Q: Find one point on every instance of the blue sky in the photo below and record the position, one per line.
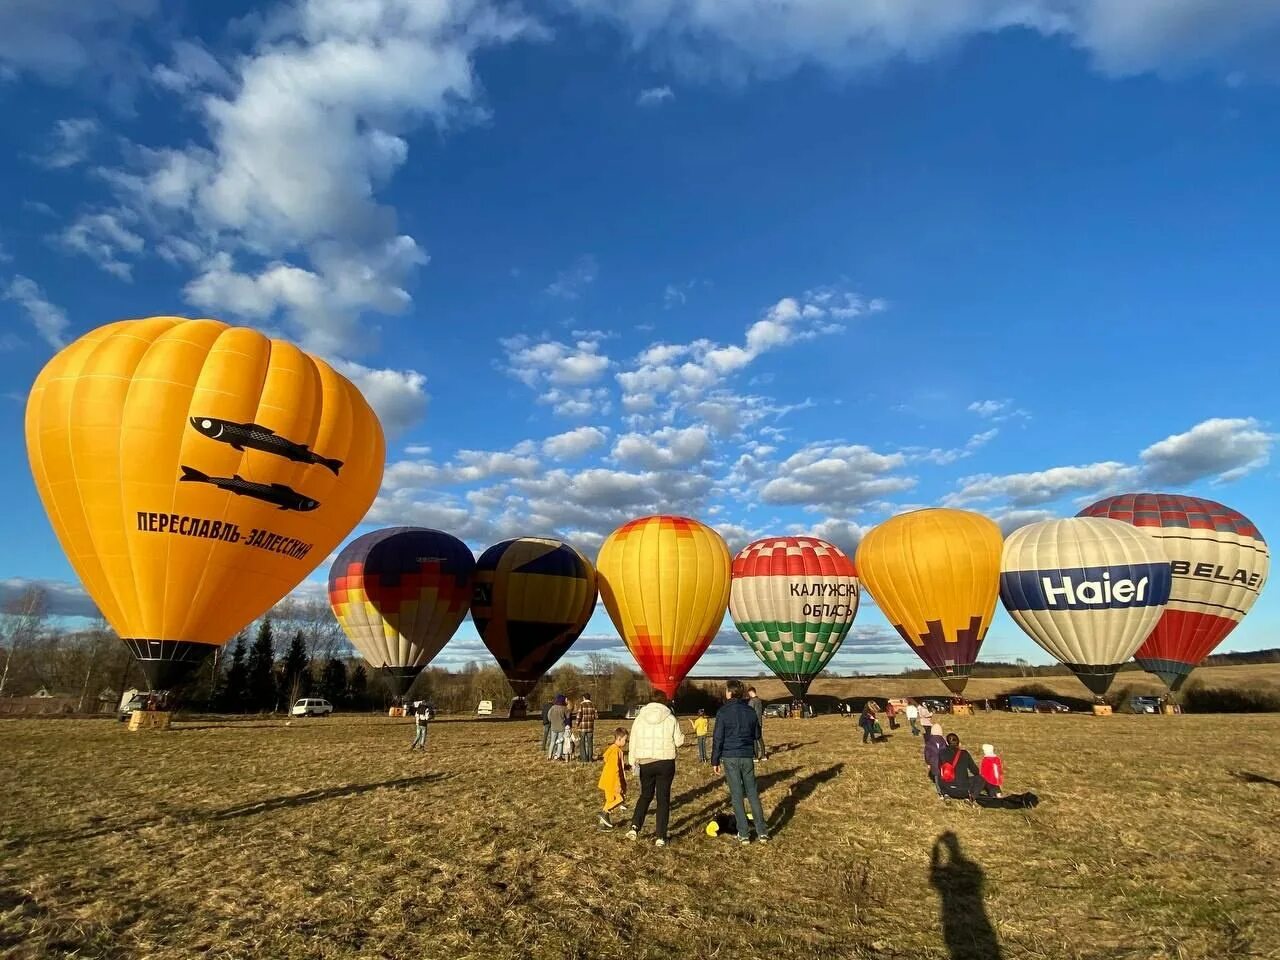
(785, 268)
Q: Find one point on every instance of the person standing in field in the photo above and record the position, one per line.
(891, 711)
(756, 704)
(733, 750)
(557, 717)
(934, 744)
(655, 737)
(546, 728)
(700, 725)
(613, 778)
(422, 714)
(584, 722)
(913, 717)
(926, 717)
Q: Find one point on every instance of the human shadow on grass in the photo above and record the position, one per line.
(798, 794)
(269, 805)
(1247, 777)
(966, 929)
(790, 747)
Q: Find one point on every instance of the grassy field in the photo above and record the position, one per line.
(1157, 837)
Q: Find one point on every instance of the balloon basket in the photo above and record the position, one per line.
(962, 710)
(1102, 709)
(1168, 709)
(149, 720)
(396, 712)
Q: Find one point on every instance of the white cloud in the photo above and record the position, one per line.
(845, 534)
(577, 404)
(62, 599)
(667, 448)
(570, 284)
(72, 139)
(828, 476)
(686, 371)
(278, 199)
(49, 320)
(989, 408)
(574, 443)
(104, 239)
(654, 96)
(538, 362)
(60, 40)
(736, 37)
(971, 446)
(1011, 520)
(399, 397)
(1043, 486)
(1224, 449)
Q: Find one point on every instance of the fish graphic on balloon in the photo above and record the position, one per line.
(254, 437)
(286, 498)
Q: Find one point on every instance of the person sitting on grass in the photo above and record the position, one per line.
(613, 778)
(958, 776)
(992, 770)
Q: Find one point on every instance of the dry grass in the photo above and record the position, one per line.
(325, 838)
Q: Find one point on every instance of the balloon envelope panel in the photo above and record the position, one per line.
(665, 582)
(793, 599)
(532, 600)
(195, 473)
(1219, 563)
(400, 595)
(1087, 590)
(936, 573)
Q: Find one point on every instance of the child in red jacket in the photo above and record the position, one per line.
(992, 770)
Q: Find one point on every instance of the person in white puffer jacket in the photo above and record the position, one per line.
(655, 737)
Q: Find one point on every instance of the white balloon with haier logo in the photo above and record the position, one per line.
(1088, 590)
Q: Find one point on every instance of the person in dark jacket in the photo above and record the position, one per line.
(934, 744)
(867, 721)
(733, 748)
(966, 781)
(757, 705)
(546, 727)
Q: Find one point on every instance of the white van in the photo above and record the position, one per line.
(485, 708)
(312, 707)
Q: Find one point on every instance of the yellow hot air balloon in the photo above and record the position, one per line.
(935, 574)
(665, 582)
(195, 473)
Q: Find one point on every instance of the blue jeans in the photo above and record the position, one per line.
(420, 737)
(915, 726)
(702, 749)
(557, 746)
(587, 745)
(740, 774)
(546, 736)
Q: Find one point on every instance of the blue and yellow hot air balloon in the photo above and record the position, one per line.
(532, 600)
(195, 473)
(400, 595)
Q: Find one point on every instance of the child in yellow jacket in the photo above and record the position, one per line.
(613, 778)
(700, 725)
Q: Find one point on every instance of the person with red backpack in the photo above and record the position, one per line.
(958, 776)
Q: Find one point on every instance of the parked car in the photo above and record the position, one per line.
(937, 706)
(776, 710)
(1022, 704)
(484, 708)
(312, 707)
(1051, 706)
(631, 713)
(1144, 704)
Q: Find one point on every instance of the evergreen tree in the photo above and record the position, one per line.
(294, 676)
(333, 682)
(359, 687)
(262, 681)
(235, 691)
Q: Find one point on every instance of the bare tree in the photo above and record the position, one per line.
(21, 624)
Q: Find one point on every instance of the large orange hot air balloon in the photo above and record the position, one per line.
(665, 582)
(195, 473)
(935, 574)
